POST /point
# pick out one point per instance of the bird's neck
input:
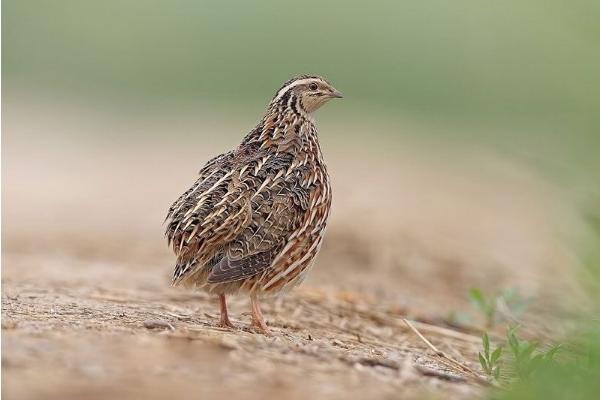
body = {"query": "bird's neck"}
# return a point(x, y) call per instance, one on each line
point(288, 103)
point(284, 128)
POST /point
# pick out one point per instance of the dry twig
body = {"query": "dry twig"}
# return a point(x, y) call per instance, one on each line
point(457, 365)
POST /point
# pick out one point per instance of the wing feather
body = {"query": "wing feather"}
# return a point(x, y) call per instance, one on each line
point(236, 218)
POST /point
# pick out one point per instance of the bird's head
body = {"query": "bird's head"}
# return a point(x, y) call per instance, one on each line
point(308, 92)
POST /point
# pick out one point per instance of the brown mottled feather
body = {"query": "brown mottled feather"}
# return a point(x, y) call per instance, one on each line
point(254, 219)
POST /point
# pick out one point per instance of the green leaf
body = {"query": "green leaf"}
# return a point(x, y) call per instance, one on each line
point(486, 345)
point(496, 355)
point(549, 356)
point(476, 297)
point(527, 349)
point(512, 330)
point(484, 363)
point(496, 372)
point(514, 344)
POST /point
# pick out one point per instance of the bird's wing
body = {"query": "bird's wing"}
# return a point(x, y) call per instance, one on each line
point(209, 215)
point(228, 270)
point(208, 171)
point(278, 208)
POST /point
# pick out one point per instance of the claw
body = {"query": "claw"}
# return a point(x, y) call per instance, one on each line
point(226, 323)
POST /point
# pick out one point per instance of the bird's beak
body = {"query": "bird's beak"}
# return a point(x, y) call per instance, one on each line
point(335, 94)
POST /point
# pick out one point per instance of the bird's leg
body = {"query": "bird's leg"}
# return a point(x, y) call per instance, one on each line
point(224, 322)
point(258, 321)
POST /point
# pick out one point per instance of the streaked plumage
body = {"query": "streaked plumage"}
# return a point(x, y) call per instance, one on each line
point(255, 218)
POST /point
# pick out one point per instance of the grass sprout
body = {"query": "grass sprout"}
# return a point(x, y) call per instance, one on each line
point(490, 360)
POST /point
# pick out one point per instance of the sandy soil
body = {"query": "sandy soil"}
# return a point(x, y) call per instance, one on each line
point(81, 336)
point(87, 311)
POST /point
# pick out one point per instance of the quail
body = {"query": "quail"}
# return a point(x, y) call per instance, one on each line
point(254, 220)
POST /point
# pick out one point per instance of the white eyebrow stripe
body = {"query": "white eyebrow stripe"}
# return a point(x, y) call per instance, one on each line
point(293, 84)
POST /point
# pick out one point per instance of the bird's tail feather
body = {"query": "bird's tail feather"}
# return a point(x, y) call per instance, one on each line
point(183, 270)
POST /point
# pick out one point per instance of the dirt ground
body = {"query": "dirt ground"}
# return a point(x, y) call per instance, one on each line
point(80, 338)
point(87, 311)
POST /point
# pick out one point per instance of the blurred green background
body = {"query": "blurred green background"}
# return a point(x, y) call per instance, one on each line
point(523, 75)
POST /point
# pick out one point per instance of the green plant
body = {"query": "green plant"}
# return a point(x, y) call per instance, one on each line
point(486, 305)
point(490, 362)
point(574, 375)
point(509, 301)
point(526, 359)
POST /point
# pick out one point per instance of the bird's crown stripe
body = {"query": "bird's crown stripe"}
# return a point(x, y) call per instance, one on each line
point(291, 85)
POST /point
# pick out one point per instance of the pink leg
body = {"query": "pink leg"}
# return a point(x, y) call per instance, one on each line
point(224, 322)
point(258, 321)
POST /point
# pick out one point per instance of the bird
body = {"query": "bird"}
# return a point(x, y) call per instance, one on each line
point(254, 220)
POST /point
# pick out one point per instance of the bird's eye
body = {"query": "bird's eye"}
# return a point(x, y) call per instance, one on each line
point(313, 86)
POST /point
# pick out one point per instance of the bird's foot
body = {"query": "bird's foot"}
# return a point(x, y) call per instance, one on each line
point(258, 321)
point(226, 323)
point(260, 327)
